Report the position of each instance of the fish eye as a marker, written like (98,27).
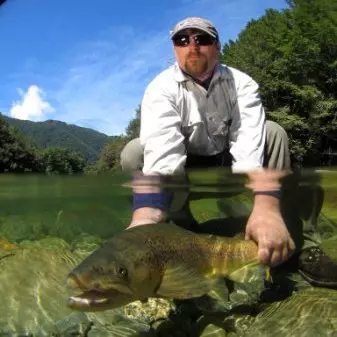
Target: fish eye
(122,272)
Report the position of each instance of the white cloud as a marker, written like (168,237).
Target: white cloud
(32,106)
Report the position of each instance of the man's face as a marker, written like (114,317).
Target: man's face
(196,59)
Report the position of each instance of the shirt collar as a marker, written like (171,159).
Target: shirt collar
(221,71)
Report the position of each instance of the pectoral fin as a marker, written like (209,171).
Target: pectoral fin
(182,282)
(219,291)
(217,300)
(249,273)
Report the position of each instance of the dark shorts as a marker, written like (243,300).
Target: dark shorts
(223,159)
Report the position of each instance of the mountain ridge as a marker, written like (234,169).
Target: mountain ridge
(53,133)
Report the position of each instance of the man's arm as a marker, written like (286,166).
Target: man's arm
(265,224)
(247,141)
(247,133)
(164,154)
(146,186)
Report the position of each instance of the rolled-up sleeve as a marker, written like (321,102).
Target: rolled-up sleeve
(160,134)
(247,131)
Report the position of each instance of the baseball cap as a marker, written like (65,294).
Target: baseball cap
(196,23)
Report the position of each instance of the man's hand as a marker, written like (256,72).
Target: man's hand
(267,228)
(146,215)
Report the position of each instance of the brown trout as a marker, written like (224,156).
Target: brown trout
(159,260)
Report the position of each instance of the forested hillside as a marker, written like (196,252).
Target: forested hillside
(89,143)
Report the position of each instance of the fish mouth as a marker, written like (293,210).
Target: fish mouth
(96,300)
(88,300)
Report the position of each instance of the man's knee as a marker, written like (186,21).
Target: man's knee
(276,132)
(131,157)
(277,147)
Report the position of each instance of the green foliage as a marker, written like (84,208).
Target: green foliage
(89,143)
(292,55)
(297,128)
(59,161)
(133,129)
(110,156)
(16,154)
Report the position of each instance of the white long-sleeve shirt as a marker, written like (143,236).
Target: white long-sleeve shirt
(179,116)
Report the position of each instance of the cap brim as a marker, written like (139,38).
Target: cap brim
(192,27)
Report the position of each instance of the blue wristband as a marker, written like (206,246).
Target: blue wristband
(160,200)
(276,194)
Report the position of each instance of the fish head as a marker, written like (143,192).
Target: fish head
(123,270)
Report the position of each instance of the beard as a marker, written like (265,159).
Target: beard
(196,64)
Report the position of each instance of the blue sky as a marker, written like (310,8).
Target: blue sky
(88,62)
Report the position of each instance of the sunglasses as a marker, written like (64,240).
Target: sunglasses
(200,40)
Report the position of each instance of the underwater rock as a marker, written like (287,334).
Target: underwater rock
(206,326)
(237,323)
(212,330)
(76,324)
(150,311)
(169,328)
(121,326)
(330,248)
(309,312)
(85,243)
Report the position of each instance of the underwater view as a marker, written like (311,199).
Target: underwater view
(49,225)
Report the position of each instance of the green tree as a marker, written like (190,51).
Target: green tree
(133,129)
(110,156)
(16,154)
(60,161)
(292,54)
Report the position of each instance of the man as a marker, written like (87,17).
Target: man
(199,111)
